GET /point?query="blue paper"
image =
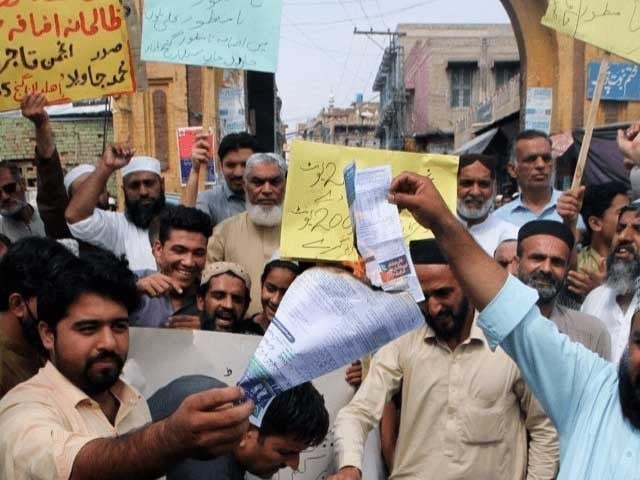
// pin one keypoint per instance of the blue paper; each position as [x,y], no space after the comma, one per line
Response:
[240,34]
[622,83]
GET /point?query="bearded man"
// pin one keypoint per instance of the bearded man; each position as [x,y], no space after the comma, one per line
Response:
[476,193]
[123,233]
[543,257]
[18,219]
[250,238]
[616,301]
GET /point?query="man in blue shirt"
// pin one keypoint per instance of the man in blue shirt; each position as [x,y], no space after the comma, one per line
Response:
[532,166]
[595,407]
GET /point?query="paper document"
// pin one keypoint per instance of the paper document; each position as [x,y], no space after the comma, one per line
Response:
[378,230]
[327,319]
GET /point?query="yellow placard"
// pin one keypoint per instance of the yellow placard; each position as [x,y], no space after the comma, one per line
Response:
[316,223]
[612,25]
[68,50]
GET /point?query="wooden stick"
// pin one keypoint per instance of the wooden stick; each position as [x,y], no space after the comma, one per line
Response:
[588,128]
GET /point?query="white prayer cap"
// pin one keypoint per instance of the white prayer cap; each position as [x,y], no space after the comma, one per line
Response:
[76,173]
[142,164]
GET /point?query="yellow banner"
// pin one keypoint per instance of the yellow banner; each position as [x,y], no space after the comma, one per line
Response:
[316,223]
[68,50]
[612,25]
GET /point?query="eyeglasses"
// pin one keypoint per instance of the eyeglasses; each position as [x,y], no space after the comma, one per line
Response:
[9,188]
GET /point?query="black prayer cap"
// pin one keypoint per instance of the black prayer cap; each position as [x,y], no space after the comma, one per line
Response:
[547,227]
[426,252]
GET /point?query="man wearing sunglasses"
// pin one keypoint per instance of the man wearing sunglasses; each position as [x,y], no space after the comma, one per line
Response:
[532,166]
[18,219]
[123,233]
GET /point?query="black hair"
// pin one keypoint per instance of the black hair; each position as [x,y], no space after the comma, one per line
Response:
[236,141]
[27,265]
[13,169]
[299,413]
[6,241]
[532,134]
[295,269]
[488,161]
[99,272]
[183,218]
[597,198]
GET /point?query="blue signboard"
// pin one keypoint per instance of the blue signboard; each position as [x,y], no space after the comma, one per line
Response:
[622,84]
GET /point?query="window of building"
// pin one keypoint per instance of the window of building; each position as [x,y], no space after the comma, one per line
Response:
[461,84]
[505,71]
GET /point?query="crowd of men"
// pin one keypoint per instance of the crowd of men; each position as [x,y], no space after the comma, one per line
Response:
[527,366]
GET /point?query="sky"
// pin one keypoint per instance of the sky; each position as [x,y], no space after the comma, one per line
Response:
[319,54]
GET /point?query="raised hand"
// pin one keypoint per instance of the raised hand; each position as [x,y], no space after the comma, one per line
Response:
[629,144]
[32,107]
[117,156]
[569,205]
[419,195]
[200,152]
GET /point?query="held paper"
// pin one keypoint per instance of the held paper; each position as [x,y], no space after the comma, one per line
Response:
[327,319]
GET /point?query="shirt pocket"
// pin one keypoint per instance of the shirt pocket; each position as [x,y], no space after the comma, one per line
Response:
[481,426]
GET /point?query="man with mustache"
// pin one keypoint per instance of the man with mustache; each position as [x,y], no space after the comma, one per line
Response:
[466,412]
[544,253]
[616,301]
[123,233]
[224,296]
[76,418]
[532,166]
[180,250]
[476,193]
[18,219]
[23,271]
[594,406]
[250,238]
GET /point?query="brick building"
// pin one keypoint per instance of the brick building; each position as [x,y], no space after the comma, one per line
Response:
[432,73]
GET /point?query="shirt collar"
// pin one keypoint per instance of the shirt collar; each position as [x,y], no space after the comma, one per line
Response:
[122,391]
[228,193]
[475,334]
[517,203]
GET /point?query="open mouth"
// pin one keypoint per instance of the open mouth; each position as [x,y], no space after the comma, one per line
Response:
[625,252]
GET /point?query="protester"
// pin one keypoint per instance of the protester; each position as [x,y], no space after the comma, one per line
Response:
[76,177]
[616,301]
[294,421]
[595,409]
[226,198]
[250,238]
[169,295]
[600,211]
[18,219]
[224,297]
[475,200]
[83,421]
[506,254]
[23,272]
[532,166]
[468,415]
[121,233]
[5,243]
[276,278]
[544,253]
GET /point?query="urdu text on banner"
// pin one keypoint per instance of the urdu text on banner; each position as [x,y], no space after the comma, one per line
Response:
[316,224]
[66,50]
[240,34]
[612,25]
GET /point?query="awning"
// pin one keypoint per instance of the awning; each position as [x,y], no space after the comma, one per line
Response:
[477,144]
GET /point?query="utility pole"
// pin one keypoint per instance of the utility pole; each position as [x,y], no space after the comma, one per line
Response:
[393,98]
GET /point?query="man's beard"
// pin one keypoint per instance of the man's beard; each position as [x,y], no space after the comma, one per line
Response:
[546,284]
[142,215]
[440,323]
[622,275]
[471,213]
[90,382]
[265,216]
[225,315]
[14,210]
[629,391]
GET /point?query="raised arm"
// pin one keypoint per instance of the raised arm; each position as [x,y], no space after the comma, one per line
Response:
[204,426]
[200,155]
[85,200]
[557,370]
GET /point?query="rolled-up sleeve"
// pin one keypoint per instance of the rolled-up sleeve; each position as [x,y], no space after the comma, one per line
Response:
[102,229]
